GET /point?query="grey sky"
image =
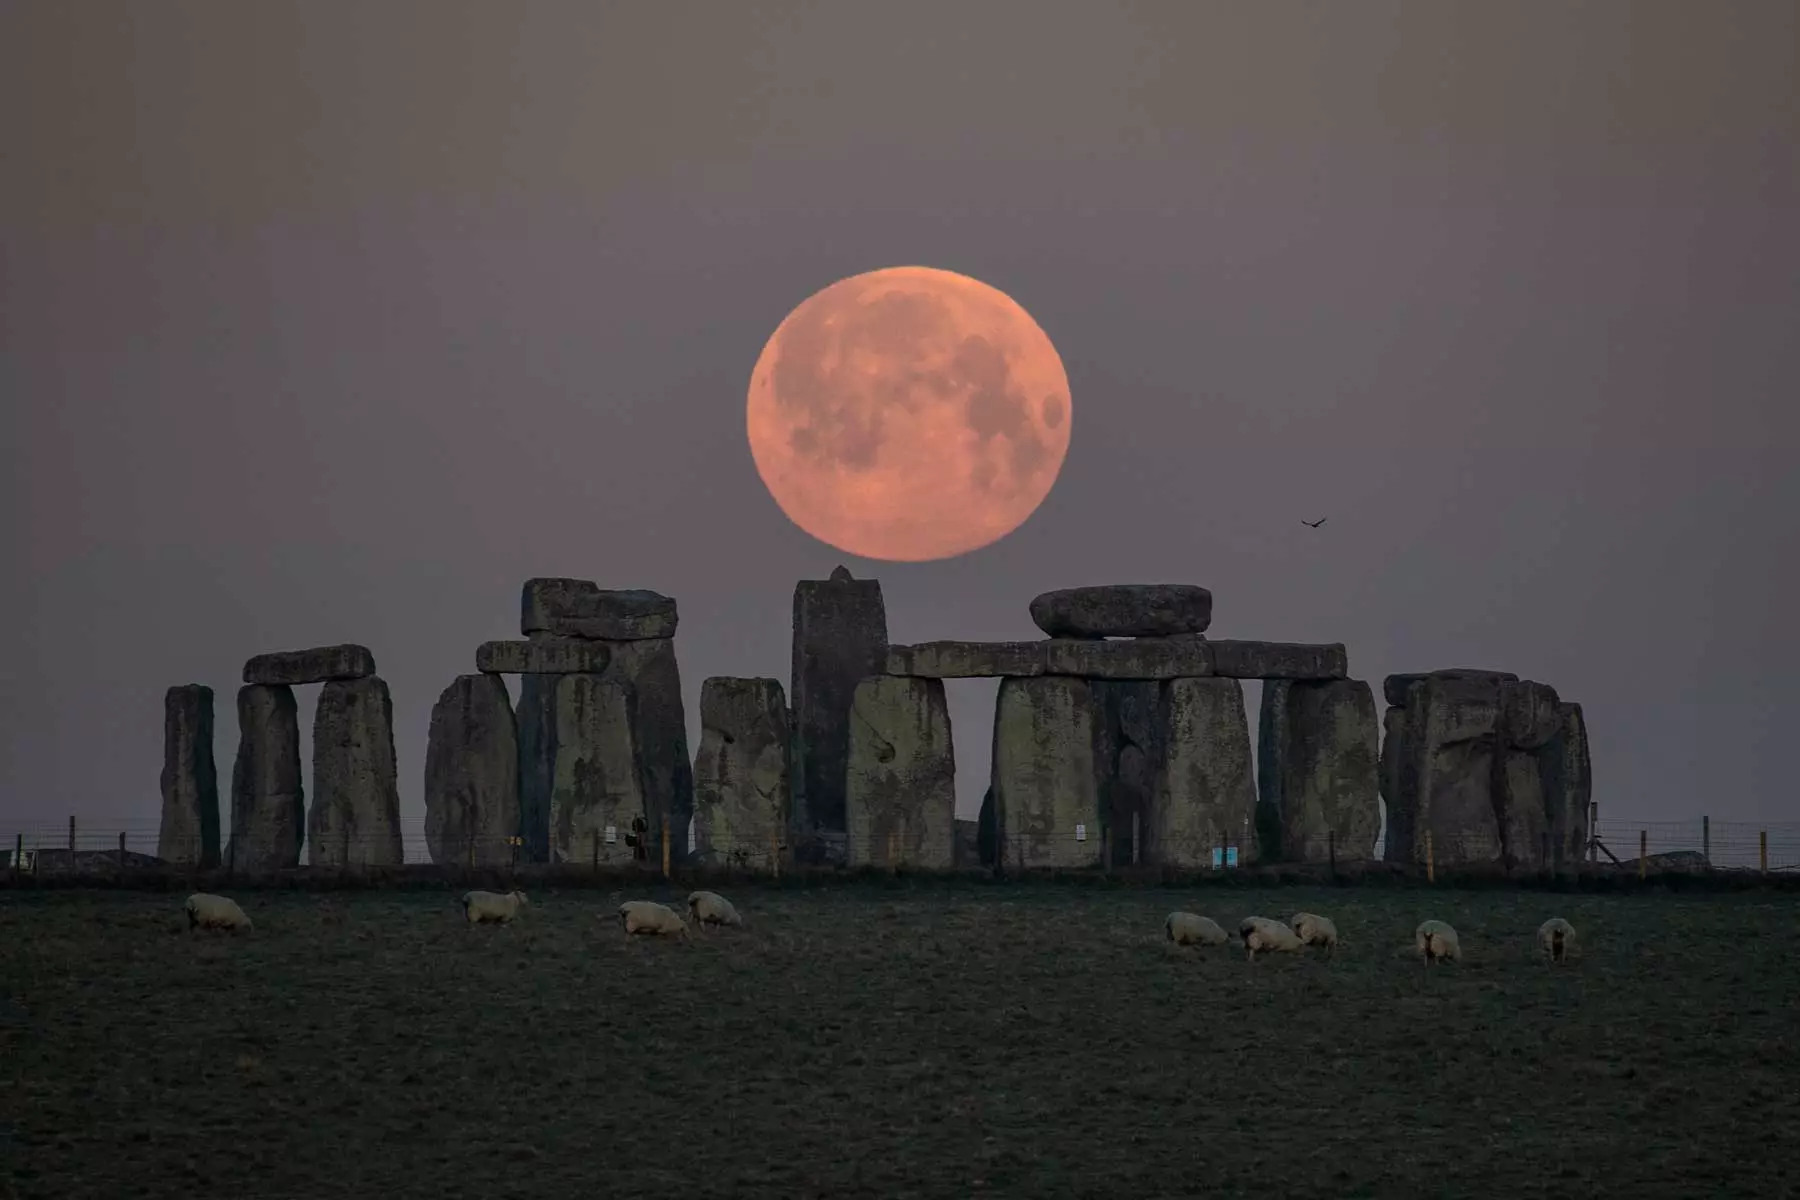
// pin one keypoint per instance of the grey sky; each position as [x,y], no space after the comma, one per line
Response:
[328,321]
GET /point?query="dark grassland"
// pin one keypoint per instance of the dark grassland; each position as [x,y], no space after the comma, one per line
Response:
[938,1040]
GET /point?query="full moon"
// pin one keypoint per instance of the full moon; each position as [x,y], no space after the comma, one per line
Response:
[909,414]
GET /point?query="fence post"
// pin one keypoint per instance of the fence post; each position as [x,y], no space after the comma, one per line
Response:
[1430,860]
[1762,851]
[71,840]
[121,853]
[1706,839]
[1137,845]
[1643,852]
[18,855]
[665,846]
[1593,846]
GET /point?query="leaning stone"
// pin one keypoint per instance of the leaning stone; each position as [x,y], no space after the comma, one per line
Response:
[1206,789]
[840,638]
[268,805]
[318,665]
[1124,610]
[190,782]
[535,718]
[1278,660]
[581,608]
[900,789]
[543,656]
[741,774]
[472,774]
[1395,687]
[355,816]
[1046,788]
[1318,773]
[598,789]
[647,668]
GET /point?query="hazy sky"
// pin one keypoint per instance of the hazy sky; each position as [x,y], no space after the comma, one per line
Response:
[334,321]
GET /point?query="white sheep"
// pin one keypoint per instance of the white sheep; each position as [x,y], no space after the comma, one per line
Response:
[647,916]
[1315,930]
[1192,929]
[710,908]
[1265,934]
[1435,940]
[1556,937]
[498,907]
[207,911]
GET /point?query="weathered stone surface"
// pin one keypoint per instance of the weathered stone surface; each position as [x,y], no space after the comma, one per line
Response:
[543,656]
[1139,658]
[647,667]
[1565,778]
[1530,713]
[987,830]
[1206,789]
[1317,772]
[268,807]
[472,774]
[1046,787]
[318,665]
[535,717]
[598,787]
[742,783]
[1278,660]
[581,608]
[1395,687]
[968,845]
[900,786]
[1124,610]
[1398,771]
[189,832]
[840,639]
[1129,749]
[355,815]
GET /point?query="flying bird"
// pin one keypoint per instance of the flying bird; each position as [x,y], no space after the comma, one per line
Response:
[1315,524]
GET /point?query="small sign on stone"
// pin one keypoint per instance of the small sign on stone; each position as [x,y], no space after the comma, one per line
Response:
[1081,833]
[1231,856]
[612,834]
[1218,857]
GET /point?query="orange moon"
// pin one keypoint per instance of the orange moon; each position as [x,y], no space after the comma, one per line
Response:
[909,414]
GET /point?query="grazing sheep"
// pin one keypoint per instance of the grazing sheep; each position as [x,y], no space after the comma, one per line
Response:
[710,908]
[1436,940]
[1192,929]
[1315,930]
[206,911]
[1557,937]
[1262,933]
[647,916]
[498,907]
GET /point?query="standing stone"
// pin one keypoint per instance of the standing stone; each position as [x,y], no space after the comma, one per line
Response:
[1565,776]
[190,782]
[1124,610]
[535,718]
[355,817]
[268,807]
[1317,770]
[646,668]
[1396,773]
[840,639]
[1046,786]
[742,786]
[1130,747]
[1206,790]
[598,788]
[900,788]
[472,774]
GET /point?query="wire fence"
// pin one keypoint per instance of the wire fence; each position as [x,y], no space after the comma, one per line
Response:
[960,845]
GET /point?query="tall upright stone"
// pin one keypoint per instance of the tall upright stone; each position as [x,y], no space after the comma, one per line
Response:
[1317,773]
[472,774]
[1045,780]
[268,806]
[598,790]
[535,718]
[1566,779]
[646,668]
[900,780]
[1206,789]
[742,786]
[189,833]
[1130,747]
[355,815]
[840,639]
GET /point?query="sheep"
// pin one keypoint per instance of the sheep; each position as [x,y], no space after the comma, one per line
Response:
[647,916]
[710,908]
[498,907]
[1192,929]
[1435,940]
[1556,937]
[1262,933]
[1315,930]
[206,911]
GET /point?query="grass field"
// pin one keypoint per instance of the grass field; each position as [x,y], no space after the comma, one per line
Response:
[945,1040]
